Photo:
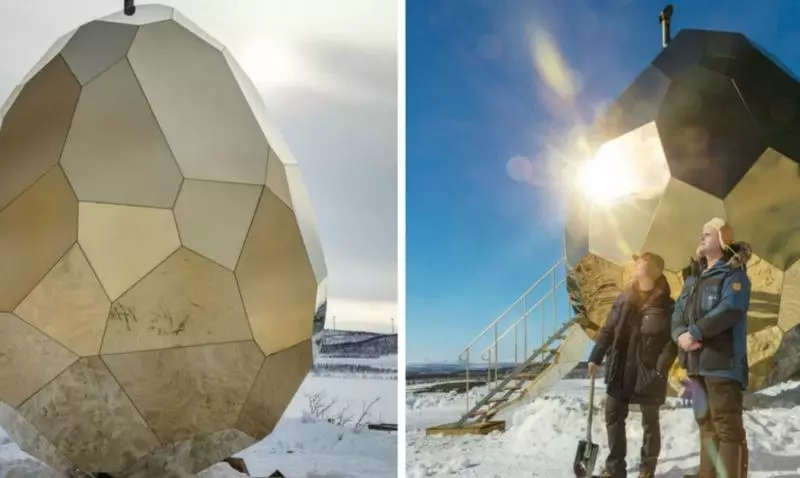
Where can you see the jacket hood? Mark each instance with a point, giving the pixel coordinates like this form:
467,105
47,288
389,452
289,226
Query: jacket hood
740,254
735,257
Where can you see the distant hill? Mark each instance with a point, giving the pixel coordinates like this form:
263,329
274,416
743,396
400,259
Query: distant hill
419,372
352,344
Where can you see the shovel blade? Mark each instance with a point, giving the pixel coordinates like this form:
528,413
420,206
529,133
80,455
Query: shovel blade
585,459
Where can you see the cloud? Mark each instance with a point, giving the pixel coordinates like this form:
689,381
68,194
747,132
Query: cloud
352,180
349,314
327,72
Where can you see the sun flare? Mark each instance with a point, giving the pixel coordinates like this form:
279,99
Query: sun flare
632,166
607,177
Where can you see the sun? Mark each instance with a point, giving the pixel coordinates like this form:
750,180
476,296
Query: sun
607,177
630,167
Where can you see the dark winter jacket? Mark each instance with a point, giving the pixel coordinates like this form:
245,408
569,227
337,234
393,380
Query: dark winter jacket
636,340
712,307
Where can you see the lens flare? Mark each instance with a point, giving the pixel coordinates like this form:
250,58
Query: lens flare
607,178
632,166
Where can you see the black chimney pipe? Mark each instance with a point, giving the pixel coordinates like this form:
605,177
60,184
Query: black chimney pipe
665,18
130,8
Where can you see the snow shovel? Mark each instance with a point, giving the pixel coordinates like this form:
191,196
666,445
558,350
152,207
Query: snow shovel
586,455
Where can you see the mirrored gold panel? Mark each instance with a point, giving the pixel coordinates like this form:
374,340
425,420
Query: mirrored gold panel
306,220
786,361
275,277
189,391
193,455
184,21
766,282
276,385
82,404
187,300
251,94
191,89
127,160
50,54
35,231
761,348
124,243
789,315
678,222
764,208
30,359
615,196
29,440
33,132
617,231
96,47
213,218
69,305
276,179
598,284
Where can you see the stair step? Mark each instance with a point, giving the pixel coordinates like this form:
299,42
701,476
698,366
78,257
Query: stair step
507,393
512,388
546,352
508,388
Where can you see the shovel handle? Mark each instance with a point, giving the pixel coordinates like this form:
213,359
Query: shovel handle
591,412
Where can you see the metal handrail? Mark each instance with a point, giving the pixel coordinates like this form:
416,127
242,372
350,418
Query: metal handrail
524,317
493,326
543,352
511,307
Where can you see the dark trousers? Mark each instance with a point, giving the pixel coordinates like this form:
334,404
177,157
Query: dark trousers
718,407
616,414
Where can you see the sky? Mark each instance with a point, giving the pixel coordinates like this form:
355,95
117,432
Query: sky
494,94
327,72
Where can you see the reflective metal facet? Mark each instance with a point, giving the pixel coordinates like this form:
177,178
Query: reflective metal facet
727,116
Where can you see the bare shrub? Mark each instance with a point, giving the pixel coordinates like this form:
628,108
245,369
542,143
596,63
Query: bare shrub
320,409
360,423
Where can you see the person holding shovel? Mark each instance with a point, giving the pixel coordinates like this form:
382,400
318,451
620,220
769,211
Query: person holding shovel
636,341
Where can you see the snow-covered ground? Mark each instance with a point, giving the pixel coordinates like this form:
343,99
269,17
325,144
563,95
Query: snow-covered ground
304,444
541,436
302,448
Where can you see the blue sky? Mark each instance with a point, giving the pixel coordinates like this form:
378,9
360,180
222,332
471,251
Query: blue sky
477,236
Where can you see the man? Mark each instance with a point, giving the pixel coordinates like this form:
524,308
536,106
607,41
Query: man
636,339
710,327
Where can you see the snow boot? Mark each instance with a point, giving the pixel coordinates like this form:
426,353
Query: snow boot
606,473
733,459
708,452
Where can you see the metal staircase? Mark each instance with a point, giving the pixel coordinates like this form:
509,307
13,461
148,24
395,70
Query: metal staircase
540,310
